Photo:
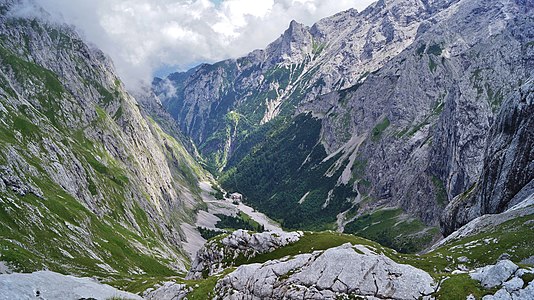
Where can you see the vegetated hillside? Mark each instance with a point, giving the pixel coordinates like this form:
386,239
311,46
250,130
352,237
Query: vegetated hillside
402,122
88,185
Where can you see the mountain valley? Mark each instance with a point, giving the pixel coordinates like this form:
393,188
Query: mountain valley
381,154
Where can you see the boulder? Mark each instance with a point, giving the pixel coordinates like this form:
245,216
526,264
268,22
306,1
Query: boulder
501,294
514,284
526,293
494,275
168,291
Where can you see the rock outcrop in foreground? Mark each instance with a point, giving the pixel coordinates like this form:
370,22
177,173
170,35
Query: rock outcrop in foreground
219,254
338,272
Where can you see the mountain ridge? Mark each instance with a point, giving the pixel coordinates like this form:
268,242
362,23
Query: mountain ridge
271,81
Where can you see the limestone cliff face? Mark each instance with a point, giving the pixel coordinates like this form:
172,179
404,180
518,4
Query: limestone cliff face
87,183
426,114
507,177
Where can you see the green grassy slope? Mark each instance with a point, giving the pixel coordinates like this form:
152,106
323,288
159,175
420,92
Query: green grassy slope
74,197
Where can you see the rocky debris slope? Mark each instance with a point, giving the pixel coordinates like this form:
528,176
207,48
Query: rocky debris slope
508,173
88,185
345,271
221,252
508,276
46,285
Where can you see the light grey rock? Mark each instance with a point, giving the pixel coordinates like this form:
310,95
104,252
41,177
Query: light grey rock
462,268
513,290
513,284
216,255
2,185
463,259
501,294
341,271
4,268
528,261
260,242
495,275
49,285
504,256
521,272
168,291
526,293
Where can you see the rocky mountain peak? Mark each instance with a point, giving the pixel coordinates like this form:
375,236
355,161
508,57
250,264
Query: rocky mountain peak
292,46
294,25
303,63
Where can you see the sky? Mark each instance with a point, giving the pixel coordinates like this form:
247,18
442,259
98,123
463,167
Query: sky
154,37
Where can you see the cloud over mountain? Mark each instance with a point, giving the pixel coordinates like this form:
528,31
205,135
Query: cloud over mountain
143,36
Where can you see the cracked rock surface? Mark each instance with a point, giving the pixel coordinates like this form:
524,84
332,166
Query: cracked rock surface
167,291
217,255
337,272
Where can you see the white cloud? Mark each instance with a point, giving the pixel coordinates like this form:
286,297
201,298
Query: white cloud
143,36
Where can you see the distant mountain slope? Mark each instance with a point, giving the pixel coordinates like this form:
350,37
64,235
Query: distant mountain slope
405,93
88,185
219,105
